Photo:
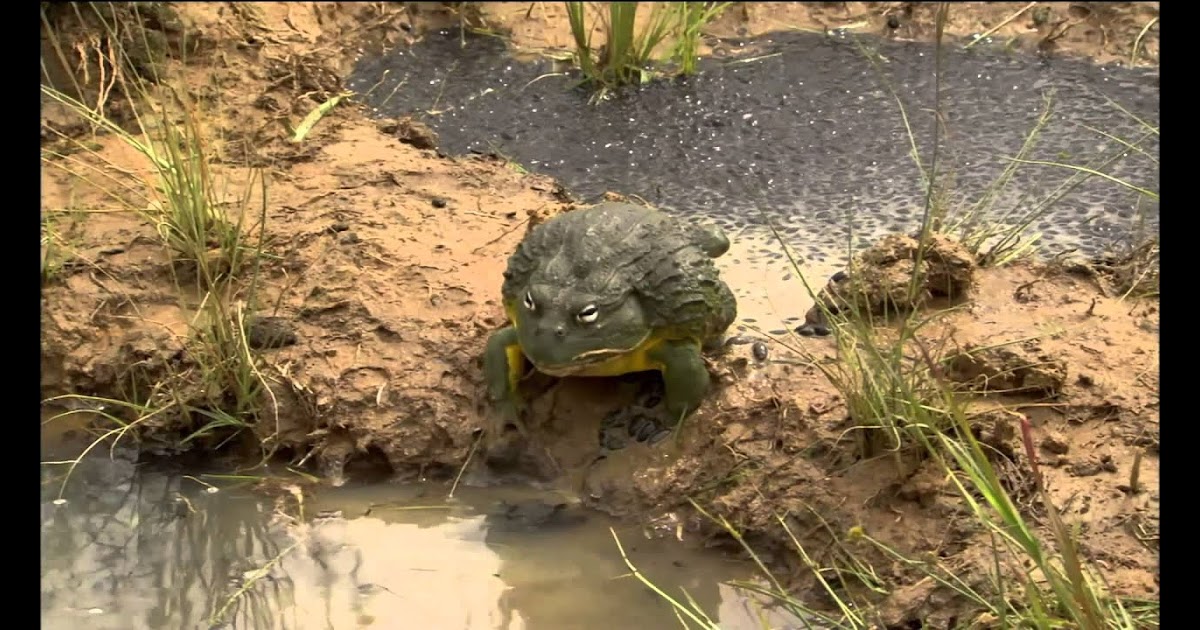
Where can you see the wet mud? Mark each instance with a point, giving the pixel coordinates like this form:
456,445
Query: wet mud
389,238
774,136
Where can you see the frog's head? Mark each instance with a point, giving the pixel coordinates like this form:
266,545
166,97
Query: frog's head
566,322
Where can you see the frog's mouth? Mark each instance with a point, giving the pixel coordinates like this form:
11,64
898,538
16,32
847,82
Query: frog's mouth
580,363
586,360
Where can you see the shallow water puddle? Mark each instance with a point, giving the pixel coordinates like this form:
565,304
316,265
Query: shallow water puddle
136,549
772,298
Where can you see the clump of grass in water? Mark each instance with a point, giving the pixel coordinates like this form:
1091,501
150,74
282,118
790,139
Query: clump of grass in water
236,388
1032,583
999,238
1135,269
692,17
627,53
181,200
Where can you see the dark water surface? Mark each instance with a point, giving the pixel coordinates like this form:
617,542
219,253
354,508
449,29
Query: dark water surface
805,134
133,549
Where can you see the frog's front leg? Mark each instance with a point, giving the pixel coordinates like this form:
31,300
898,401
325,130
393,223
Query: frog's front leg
503,365
686,383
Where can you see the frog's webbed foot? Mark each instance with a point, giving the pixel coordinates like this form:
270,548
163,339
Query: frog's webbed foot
643,421
635,423
505,435
505,439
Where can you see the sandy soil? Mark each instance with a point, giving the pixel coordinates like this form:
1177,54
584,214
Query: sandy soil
1105,31
386,264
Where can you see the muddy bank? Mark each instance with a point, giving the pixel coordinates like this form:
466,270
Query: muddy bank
385,269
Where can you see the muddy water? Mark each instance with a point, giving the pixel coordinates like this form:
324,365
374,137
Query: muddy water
133,549
800,132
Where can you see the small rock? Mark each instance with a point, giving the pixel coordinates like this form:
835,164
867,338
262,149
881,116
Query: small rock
411,132
1093,466
760,351
1055,442
340,226
438,202
349,238
269,333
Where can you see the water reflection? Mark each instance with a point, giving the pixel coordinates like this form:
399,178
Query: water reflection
132,549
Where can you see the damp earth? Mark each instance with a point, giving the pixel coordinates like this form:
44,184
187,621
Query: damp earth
325,470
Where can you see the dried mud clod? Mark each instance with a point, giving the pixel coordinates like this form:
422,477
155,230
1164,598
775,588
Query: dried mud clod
1016,369
411,132
879,280
269,333
541,214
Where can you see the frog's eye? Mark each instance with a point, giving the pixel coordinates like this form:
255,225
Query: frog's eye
529,303
588,314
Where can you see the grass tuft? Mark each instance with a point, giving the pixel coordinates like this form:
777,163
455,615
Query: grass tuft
212,230
627,56
180,198
691,18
